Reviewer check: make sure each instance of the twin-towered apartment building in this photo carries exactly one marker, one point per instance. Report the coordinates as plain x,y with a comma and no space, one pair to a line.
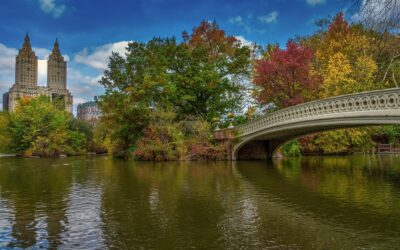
26,83
26,78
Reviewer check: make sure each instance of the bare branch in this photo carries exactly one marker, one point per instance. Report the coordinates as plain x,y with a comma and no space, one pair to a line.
394,80
379,15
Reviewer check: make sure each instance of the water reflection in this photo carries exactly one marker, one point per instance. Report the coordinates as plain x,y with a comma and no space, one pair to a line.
38,197
98,202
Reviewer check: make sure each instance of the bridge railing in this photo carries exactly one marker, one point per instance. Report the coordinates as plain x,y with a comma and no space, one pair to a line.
366,101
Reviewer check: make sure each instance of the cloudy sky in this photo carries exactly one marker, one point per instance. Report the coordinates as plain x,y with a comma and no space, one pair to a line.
88,30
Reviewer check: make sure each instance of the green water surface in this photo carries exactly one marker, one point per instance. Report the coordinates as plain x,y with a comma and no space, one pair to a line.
104,203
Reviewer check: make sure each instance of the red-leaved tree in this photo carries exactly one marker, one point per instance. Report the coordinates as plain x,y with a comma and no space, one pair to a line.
285,76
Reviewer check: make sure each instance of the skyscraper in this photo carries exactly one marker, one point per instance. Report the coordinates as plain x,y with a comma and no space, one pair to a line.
26,75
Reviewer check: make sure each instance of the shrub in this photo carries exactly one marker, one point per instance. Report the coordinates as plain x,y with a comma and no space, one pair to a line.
291,148
162,139
38,127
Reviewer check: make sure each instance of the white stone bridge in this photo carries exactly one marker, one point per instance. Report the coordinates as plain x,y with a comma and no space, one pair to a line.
259,138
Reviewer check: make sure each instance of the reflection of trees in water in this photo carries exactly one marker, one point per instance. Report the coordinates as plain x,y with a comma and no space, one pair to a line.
301,201
165,205
36,189
366,180
342,190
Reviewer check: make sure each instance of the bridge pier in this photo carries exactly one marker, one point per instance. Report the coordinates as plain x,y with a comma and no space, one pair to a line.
257,150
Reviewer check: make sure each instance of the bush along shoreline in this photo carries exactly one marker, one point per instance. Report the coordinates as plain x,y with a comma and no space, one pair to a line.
38,128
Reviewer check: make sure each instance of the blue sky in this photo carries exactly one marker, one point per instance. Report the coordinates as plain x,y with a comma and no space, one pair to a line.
88,30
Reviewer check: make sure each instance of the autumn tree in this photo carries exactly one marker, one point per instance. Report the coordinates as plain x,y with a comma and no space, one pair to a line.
286,76
199,78
343,77
38,127
208,35
344,60
162,139
209,73
380,21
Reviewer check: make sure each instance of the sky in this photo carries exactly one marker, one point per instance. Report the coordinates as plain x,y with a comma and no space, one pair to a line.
88,30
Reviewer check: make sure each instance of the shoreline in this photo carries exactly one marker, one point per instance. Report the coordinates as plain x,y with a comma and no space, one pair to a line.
275,158
7,155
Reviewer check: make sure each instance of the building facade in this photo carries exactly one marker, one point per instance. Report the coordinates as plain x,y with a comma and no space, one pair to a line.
26,75
89,111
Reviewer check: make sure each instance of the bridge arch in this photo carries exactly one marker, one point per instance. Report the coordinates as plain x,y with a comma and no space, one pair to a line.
271,140
381,107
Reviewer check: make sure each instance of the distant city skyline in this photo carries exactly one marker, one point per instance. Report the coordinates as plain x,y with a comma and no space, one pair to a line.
89,30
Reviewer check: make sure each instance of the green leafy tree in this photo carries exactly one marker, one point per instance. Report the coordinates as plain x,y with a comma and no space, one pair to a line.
211,69
198,78
38,127
5,138
135,85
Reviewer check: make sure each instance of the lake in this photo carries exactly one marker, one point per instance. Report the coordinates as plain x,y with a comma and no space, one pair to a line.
296,203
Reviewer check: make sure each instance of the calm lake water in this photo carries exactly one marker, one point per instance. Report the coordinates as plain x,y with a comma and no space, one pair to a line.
103,203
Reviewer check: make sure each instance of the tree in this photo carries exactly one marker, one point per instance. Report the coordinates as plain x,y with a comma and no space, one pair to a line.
38,127
344,141
5,138
135,85
162,139
338,79
209,73
343,38
286,77
198,78
386,53
344,59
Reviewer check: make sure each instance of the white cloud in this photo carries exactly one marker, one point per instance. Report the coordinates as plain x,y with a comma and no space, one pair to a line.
7,59
41,53
244,23
52,8
244,41
315,2
269,18
236,20
76,76
98,58
83,87
78,100
7,66
42,72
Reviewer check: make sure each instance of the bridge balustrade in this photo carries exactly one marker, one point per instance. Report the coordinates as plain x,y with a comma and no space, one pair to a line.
387,99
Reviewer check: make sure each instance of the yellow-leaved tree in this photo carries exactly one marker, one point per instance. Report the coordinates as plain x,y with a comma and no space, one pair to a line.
344,60
337,76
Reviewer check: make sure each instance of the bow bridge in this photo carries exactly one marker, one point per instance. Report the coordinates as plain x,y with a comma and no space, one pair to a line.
259,138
